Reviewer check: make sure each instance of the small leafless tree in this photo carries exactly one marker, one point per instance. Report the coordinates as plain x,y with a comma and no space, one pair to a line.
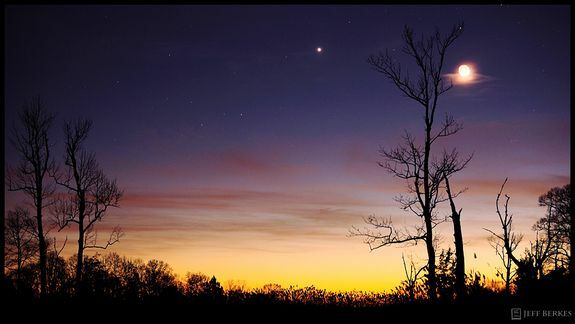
21,240
506,242
31,175
89,195
412,276
409,161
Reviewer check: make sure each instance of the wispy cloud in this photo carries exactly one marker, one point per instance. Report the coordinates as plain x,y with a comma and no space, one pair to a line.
477,78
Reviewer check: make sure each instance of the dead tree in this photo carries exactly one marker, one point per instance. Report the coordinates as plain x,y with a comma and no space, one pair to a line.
89,195
506,242
458,242
409,161
31,175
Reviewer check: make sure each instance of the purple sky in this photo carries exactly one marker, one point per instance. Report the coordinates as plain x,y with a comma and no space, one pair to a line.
231,135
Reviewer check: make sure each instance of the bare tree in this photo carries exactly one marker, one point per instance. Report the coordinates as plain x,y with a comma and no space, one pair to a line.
506,242
21,240
409,161
30,138
90,194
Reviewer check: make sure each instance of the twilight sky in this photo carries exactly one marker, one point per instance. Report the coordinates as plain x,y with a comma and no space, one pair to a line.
246,154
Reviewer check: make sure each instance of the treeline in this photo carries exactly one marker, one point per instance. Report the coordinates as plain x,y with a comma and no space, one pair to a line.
111,277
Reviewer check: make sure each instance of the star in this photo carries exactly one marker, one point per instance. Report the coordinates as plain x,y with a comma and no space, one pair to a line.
319,50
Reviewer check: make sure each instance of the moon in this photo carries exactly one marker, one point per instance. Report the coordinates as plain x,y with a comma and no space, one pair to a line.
464,71
319,49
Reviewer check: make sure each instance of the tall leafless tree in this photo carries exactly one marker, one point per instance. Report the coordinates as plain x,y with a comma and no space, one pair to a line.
31,175
21,240
506,242
410,161
89,195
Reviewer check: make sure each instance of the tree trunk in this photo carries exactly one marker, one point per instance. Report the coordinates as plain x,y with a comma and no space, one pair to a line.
460,256
81,234
80,261
431,278
458,241
41,243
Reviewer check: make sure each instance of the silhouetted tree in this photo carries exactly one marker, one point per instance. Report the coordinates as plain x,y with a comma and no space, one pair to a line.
544,247
412,278
446,275
196,284
21,241
59,276
129,275
159,281
506,242
236,291
458,240
30,138
214,289
200,287
97,281
411,162
557,225
90,193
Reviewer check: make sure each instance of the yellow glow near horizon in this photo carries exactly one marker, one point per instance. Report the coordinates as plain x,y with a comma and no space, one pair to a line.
344,265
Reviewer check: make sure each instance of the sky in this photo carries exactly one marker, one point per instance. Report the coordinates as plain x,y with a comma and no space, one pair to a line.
246,154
